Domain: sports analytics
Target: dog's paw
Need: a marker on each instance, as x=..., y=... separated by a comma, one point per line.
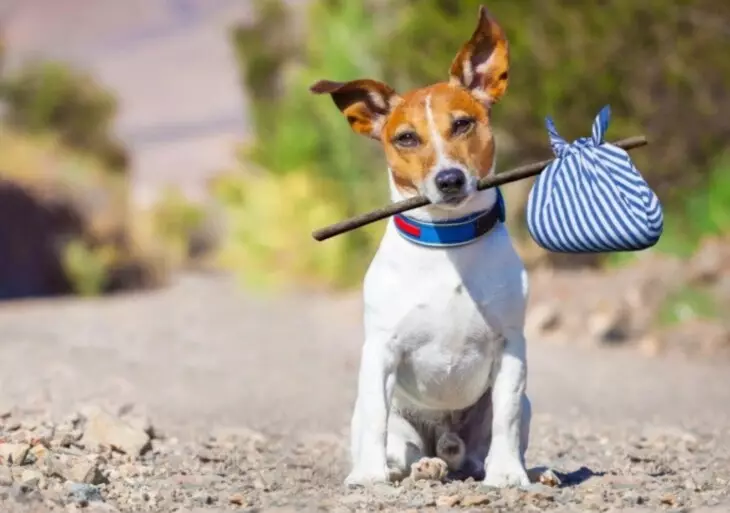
x=432, y=469
x=505, y=472
x=366, y=477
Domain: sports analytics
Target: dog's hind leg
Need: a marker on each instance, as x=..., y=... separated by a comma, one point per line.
x=405, y=446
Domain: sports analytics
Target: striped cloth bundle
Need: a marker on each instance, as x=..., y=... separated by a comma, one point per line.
x=591, y=198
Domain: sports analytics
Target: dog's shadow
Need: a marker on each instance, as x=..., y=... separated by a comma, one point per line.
x=567, y=479
x=536, y=475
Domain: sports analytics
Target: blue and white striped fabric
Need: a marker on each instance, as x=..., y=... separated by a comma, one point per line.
x=591, y=198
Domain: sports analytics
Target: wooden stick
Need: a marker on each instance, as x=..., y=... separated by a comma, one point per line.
x=419, y=201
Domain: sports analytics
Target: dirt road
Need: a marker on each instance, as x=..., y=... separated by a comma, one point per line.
x=621, y=430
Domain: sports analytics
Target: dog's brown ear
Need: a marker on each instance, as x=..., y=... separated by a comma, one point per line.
x=365, y=103
x=482, y=64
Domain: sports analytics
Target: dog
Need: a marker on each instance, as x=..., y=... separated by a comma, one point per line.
x=443, y=367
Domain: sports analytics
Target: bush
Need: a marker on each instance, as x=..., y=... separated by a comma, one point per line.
x=269, y=240
x=52, y=97
x=169, y=228
x=87, y=267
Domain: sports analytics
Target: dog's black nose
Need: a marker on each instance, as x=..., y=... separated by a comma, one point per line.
x=450, y=180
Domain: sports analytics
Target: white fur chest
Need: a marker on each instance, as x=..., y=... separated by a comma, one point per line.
x=442, y=314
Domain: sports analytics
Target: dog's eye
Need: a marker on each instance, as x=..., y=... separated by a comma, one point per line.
x=406, y=140
x=462, y=125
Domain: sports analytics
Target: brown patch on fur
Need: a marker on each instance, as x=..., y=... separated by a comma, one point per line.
x=482, y=64
x=365, y=103
x=474, y=149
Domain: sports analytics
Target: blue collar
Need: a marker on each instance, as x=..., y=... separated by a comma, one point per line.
x=454, y=232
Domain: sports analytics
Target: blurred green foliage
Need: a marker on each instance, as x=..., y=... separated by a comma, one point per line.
x=302, y=143
x=662, y=66
x=169, y=226
x=87, y=267
x=688, y=303
x=53, y=97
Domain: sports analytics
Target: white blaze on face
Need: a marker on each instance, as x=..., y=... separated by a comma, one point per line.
x=436, y=139
x=442, y=160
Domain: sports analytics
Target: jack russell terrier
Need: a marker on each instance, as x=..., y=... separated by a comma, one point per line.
x=443, y=366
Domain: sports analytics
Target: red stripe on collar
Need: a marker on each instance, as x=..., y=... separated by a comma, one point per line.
x=408, y=228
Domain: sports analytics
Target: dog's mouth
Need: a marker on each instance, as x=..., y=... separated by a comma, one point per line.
x=455, y=200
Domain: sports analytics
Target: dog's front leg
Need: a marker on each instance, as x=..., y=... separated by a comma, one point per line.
x=504, y=465
x=370, y=419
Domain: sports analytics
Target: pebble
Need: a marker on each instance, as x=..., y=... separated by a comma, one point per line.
x=475, y=500
x=237, y=499
x=31, y=477
x=13, y=454
x=105, y=430
x=6, y=476
x=83, y=493
x=87, y=471
x=448, y=501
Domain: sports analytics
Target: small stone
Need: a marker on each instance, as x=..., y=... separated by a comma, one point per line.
x=208, y=456
x=542, y=318
x=31, y=478
x=6, y=476
x=24, y=493
x=549, y=478
x=690, y=484
x=128, y=470
x=432, y=469
x=448, y=501
x=610, y=323
x=237, y=499
x=51, y=465
x=105, y=430
x=14, y=454
x=83, y=493
x=37, y=452
x=668, y=500
x=86, y=471
x=475, y=500
x=651, y=345
x=205, y=498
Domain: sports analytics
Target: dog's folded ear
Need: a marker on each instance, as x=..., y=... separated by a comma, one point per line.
x=482, y=64
x=365, y=103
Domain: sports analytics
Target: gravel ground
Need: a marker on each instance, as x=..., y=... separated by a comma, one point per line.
x=198, y=398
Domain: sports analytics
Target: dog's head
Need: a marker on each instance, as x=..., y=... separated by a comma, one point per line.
x=438, y=139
